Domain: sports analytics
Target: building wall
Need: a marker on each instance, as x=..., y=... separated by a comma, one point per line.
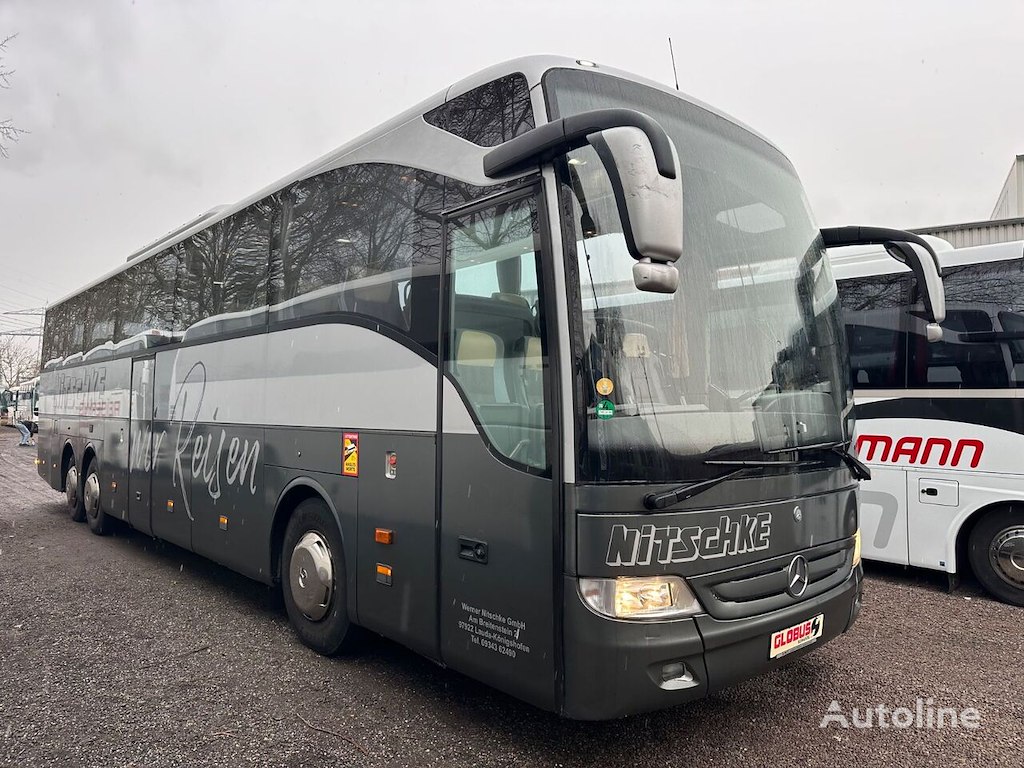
x=978, y=232
x=1010, y=203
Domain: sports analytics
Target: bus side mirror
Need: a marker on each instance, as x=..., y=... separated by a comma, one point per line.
x=929, y=281
x=643, y=168
x=909, y=249
x=650, y=205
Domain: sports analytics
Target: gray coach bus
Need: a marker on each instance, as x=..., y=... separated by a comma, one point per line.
x=543, y=379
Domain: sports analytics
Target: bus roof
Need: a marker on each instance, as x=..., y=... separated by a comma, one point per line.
x=391, y=142
x=865, y=261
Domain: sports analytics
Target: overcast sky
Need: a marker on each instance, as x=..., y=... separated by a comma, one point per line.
x=144, y=113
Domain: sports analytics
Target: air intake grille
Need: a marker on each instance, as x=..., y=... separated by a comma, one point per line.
x=757, y=588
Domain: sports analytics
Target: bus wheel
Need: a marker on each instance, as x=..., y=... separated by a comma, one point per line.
x=996, y=551
x=313, y=578
x=99, y=521
x=76, y=505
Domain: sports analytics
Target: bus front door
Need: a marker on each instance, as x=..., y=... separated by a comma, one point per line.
x=497, y=510
x=140, y=445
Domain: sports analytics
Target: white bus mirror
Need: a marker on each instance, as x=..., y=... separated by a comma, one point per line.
x=929, y=281
x=910, y=249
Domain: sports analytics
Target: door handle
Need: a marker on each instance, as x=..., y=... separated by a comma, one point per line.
x=473, y=549
x=930, y=491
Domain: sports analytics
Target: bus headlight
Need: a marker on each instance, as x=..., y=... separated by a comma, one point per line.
x=856, y=548
x=640, y=597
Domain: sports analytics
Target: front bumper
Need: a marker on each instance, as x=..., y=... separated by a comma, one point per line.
x=617, y=668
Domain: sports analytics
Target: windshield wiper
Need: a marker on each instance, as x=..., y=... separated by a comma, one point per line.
x=858, y=468
x=665, y=499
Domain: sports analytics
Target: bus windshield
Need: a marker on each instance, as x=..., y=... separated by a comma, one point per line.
x=746, y=360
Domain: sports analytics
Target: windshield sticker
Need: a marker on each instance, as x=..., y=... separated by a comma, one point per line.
x=671, y=544
x=605, y=409
x=604, y=387
x=350, y=454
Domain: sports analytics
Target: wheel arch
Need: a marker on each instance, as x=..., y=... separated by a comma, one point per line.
x=89, y=455
x=67, y=457
x=293, y=494
x=963, y=534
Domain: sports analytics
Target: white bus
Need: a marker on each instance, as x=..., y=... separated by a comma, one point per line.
x=941, y=425
x=466, y=383
x=22, y=403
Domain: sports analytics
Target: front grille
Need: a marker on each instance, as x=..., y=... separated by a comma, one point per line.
x=749, y=590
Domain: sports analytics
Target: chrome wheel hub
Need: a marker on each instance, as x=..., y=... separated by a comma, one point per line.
x=92, y=495
x=311, y=576
x=71, y=488
x=1007, y=555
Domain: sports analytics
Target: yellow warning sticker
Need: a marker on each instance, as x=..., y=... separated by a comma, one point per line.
x=350, y=454
x=604, y=387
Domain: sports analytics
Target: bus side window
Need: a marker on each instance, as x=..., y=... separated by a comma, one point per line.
x=957, y=364
x=875, y=318
x=976, y=295
x=1013, y=322
x=363, y=240
x=495, y=335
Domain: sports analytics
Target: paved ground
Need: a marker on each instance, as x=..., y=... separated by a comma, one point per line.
x=124, y=651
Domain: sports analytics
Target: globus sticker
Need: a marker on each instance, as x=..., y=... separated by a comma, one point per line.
x=350, y=454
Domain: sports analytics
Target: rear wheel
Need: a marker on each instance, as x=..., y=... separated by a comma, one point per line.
x=313, y=579
x=73, y=494
x=99, y=521
x=996, y=551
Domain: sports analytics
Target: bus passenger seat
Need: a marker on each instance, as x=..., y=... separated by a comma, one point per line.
x=645, y=375
x=476, y=359
x=636, y=345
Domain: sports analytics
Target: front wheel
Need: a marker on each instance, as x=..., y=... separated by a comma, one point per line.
x=313, y=579
x=996, y=552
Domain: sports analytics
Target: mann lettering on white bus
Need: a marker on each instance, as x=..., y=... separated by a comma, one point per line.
x=920, y=450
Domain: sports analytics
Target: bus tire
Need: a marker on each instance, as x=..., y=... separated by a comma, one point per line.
x=99, y=521
x=313, y=579
x=996, y=552
x=73, y=494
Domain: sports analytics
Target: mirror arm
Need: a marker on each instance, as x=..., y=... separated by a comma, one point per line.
x=565, y=134
x=834, y=237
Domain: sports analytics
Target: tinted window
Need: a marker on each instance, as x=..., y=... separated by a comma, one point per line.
x=226, y=269
x=100, y=318
x=874, y=311
x=57, y=332
x=984, y=311
x=954, y=361
x=365, y=239
x=148, y=295
x=488, y=115
x=999, y=284
x=984, y=306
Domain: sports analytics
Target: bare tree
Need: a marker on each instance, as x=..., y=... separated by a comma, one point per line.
x=18, y=361
x=9, y=132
